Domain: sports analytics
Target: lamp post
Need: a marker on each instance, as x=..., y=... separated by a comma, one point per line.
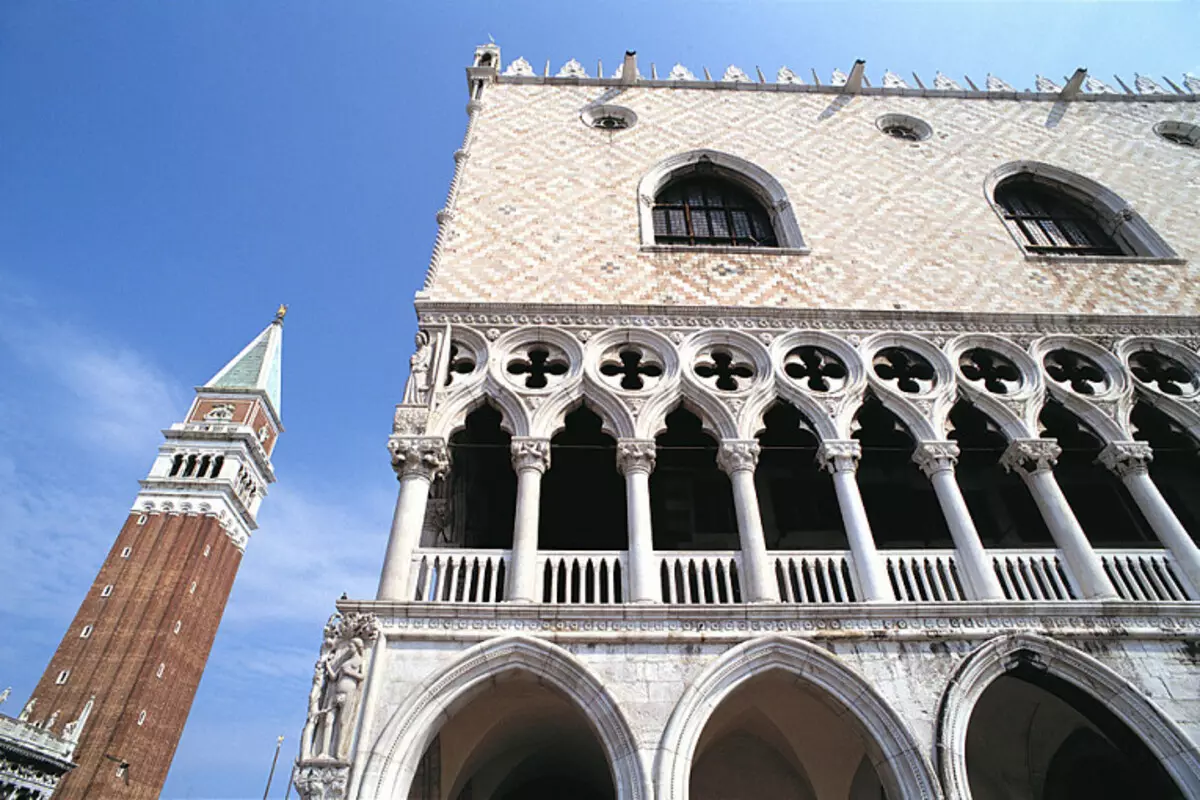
x=274, y=761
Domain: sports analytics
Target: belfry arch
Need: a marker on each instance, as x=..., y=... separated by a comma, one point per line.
x=902, y=771
x=534, y=667
x=1071, y=678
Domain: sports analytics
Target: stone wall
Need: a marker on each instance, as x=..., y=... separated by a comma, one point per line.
x=547, y=210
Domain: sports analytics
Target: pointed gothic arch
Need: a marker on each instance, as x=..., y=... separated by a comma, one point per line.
x=904, y=771
x=999, y=656
x=451, y=417
x=1115, y=221
x=397, y=751
x=550, y=418
x=759, y=183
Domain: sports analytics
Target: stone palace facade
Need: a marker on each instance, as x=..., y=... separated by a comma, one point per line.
x=789, y=439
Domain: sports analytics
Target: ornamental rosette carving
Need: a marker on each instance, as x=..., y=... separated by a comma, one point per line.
x=529, y=453
x=839, y=455
x=1127, y=458
x=738, y=455
x=321, y=781
x=934, y=457
x=1030, y=456
x=425, y=457
x=636, y=455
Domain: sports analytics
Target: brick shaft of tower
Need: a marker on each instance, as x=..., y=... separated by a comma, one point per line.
x=131, y=661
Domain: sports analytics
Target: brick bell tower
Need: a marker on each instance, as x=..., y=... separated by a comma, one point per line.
x=135, y=652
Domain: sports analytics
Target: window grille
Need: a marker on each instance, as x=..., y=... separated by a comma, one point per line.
x=1048, y=222
x=710, y=211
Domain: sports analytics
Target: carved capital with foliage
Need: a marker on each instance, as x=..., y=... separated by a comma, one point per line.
x=934, y=457
x=1127, y=458
x=738, y=455
x=636, y=455
x=1029, y=456
x=839, y=455
x=530, y=453
x=425, y=457
x=321, y=780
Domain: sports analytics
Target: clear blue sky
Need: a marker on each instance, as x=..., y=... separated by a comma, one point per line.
x=171, y=171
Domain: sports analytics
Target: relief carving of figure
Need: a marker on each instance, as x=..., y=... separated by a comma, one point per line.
x=337, y=682
x=221, y=412
x=418, y=365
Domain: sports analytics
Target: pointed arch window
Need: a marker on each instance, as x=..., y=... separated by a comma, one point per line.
x=706, y=209
x=1048, y=221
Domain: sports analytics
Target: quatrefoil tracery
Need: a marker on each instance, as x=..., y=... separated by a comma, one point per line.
x=461, y=363
x=910, y=371
x=631, y=368
x=816, y=368
x=1164, y=373
x=1075, y=370
x=541, y=365
x=723, y=369
x=997, y=373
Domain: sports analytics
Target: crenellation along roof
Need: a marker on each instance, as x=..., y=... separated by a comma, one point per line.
x=1079, y=86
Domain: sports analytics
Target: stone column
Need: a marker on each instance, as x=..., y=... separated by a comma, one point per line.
x=531, y=459
x=738, y=458
x=1034, y=460
x=635, y=460
x=937, y=460
x=417, y=462
x=1130, y=461
x=840, y=458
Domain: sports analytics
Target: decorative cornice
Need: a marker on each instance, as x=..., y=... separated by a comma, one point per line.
x=506, y=315
x=426, y=456
x=1030, y=456
x=839, y=455
x=1127, y=458
x=738, y=455
x=530, y=454
x=934, y=457
x=636, y=455
x=152, y=500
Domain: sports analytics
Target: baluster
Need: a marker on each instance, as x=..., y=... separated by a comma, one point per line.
x=946, y=573
x=1061, y=589
x=906, y=568
x=1125, y=565
x=1163, y=567
x=922, y=578
x=1160, y=589
x=834, y=566
x=1001, y=566
x=1031, y=588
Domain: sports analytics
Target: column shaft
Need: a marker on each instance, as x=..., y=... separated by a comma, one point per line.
x=868, y=566
x=937, y=460
x=643, y=580
x=760, y=583
x=522, y=586
x=404, y=538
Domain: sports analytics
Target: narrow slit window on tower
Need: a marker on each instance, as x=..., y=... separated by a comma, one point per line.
x=192, y=588
x=710, y=210
x=158, y=673
x=178, y=625
x=86, y=632
x=106, y=591
x=1048, y=221
x=207, y=550
x=62, y=677
x=142, y=717
x=126, y=551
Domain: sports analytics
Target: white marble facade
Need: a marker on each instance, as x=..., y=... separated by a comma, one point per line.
x=970, y=670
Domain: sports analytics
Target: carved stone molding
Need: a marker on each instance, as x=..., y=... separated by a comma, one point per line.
x=933, y=457
x=409, y=420
x=839, y=455
x=426, y=457
x=321, y=780
x=737, y=455
x=1029, y=456
x=636, y=455
x=1127, y=458
x=529, y=453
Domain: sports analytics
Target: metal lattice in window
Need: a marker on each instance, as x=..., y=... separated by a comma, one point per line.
x=1048, y=222
x=710, y=211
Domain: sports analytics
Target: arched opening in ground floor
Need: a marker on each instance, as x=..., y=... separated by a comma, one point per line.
x=1034, y=735
x=517, y=739
x=774, y=739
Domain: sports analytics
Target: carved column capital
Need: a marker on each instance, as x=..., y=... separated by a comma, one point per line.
x=737, y=455
x=839, y=455
x=321, y=780
x=636, y=455
x=934, y=457
x=530, y=453
x=1030, y=456
x=425, y=457
x=1127, y=458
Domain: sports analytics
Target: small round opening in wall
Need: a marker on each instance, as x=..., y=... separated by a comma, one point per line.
x=609, y=118
x=1184, y=134
x=902, y=126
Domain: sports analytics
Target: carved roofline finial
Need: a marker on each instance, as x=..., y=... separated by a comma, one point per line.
x=280, y=313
